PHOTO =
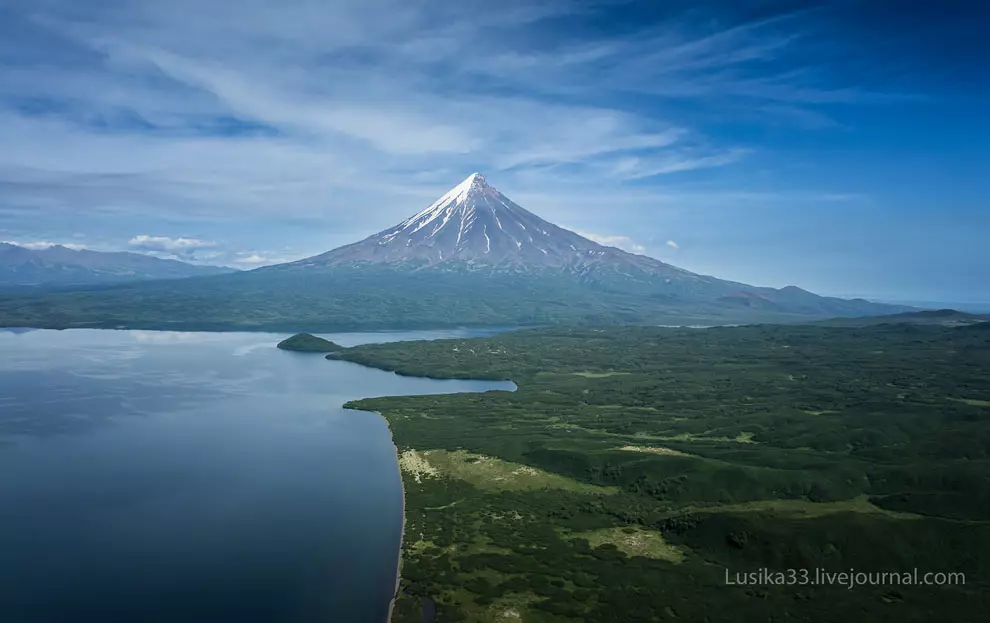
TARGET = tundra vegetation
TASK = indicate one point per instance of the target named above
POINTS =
(635, 467)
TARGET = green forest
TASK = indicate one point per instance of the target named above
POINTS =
(636, 468)
(304, 342)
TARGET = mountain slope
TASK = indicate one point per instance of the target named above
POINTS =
(473, 257)
(59, 266)
(474, 223)
(476, 228)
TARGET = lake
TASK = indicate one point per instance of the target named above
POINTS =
(186, 477)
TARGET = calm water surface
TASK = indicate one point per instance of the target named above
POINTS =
(187, 477)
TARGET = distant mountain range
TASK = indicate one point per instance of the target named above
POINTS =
(473, 257)
(59, 266)
(933, 317)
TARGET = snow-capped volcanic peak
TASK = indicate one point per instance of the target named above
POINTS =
(441, 211)
(476, 224)
(473, 184)
(475, 231)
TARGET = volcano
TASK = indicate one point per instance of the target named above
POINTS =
(475, 227)
(473, 222)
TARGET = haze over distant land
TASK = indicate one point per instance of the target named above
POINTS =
(976, 307)
(835, 146)
(58, 266)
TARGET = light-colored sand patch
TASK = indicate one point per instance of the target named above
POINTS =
(514, 515)
(440, 508)
(744, 437)
(634, 542)
(416, 464)
(491, 473)
(653, 450)
(510, 608)
(419, 546)
(509, 615)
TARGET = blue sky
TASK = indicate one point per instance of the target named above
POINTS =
(839, 146)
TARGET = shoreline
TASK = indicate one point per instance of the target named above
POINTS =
(228, 327)
(402, 532)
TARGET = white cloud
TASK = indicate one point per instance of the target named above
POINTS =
(622, 242)
(252, 259)
(673, 245)
(164, 243)
(636, 168)
(299, 111)
(261, 258)
(192, 250)
(44, 244)
(256, 259)
(329, 130)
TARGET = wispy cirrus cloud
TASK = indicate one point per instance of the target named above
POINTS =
(637, 168)
(281, 116)
(327, 121)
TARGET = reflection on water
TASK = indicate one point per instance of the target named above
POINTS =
(157, 476)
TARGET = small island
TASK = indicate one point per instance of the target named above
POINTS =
(309, 343)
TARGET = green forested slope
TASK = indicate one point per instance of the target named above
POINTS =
(635, 467)
(370, 298)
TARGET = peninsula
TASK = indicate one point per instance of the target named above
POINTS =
(634, 466)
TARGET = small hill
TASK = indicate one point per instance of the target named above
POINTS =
(309, 343)
(933, 317)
